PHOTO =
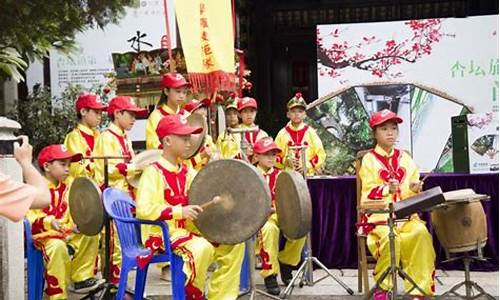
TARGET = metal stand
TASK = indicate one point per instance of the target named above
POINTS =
(393, 270)
(105, 288)
(470, 285)
(305, 272)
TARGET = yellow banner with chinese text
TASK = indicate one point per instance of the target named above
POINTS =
(207, 37)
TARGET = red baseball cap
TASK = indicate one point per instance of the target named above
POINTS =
(246, 102)
(265, 145)
(175, 125)
(125, 103)
(56, 152)
(174, 80)
(383, 116)
(195, 104)
(89, 101)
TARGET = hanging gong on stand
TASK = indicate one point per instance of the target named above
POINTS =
(85, 206)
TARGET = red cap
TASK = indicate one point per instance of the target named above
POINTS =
(383, 116)
(195, 104)
(89, 101)
(265, 145)
(56, 152)
(175, 125)
(125, 103)
(246, 102)
(174, 80)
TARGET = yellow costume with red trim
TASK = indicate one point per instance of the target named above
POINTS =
(161, 194)
(81, 140)
(152, 141)
(414, 249)
(114, 142)
(228, 145)
(53, 243)
(267, 245)
(302, 135)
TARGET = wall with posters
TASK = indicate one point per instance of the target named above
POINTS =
(93, 59)
(425, 70)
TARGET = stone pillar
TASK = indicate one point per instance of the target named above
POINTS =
(11, 234)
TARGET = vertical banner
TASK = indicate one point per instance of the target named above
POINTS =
(207, 37)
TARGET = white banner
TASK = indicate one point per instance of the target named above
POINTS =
(93, 60)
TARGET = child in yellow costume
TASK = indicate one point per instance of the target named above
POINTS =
(390, 174)
(247, 108)
(82, 138)
(228, 143)
(298, 133)
(208, 150)
(174, 90)
(266, 153)
(162, 195)
(53, 231)
(114, 142)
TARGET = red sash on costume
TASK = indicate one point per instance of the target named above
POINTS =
(126, 152)
(90, 139)
(272, 177)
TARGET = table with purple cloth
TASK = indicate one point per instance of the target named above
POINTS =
(334, 217)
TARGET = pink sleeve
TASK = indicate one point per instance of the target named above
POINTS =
(15, 198)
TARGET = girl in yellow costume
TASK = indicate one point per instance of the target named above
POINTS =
(390, 174)
(114, 142)
(53, 231)
(298, 133)
(82, 138)
(174, 90)
(266, 153)
(228, 143)
(162, 195)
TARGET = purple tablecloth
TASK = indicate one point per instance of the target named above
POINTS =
(334, 216)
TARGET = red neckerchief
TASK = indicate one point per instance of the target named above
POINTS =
(273, 176)
(90, 140)
(391, 170)
(297, 137)
(57, 206)
(126, 152)
(176, 192)
(251, 137)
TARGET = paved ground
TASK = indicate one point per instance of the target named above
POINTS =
(328, 288)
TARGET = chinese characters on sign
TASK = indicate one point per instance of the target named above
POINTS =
(206, 50)
(471, 68)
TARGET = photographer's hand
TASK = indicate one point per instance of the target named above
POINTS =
(24, 155)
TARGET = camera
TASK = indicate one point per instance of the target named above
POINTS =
(7, 146)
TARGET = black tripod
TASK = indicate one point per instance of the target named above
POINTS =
(394, 269)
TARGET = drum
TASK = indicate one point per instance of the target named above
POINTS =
(245, 201)
(85, 206)
(460, 223)
(293, 205)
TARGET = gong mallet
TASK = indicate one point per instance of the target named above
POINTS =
(305, 271)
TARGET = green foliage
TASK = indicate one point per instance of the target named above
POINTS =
(33, 27)
(46, 120)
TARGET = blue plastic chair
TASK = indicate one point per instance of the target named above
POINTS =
(245, 274)
(119, 206)
(35, 265)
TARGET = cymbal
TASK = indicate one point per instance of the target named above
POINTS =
(197, 140)
(143, 159)
(85, 206)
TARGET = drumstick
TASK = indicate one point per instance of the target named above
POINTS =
(225, 200)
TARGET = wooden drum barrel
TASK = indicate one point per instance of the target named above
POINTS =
(460, 225)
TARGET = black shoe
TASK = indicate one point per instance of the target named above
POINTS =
(286, 273)
(83, 287)
(272, 286)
